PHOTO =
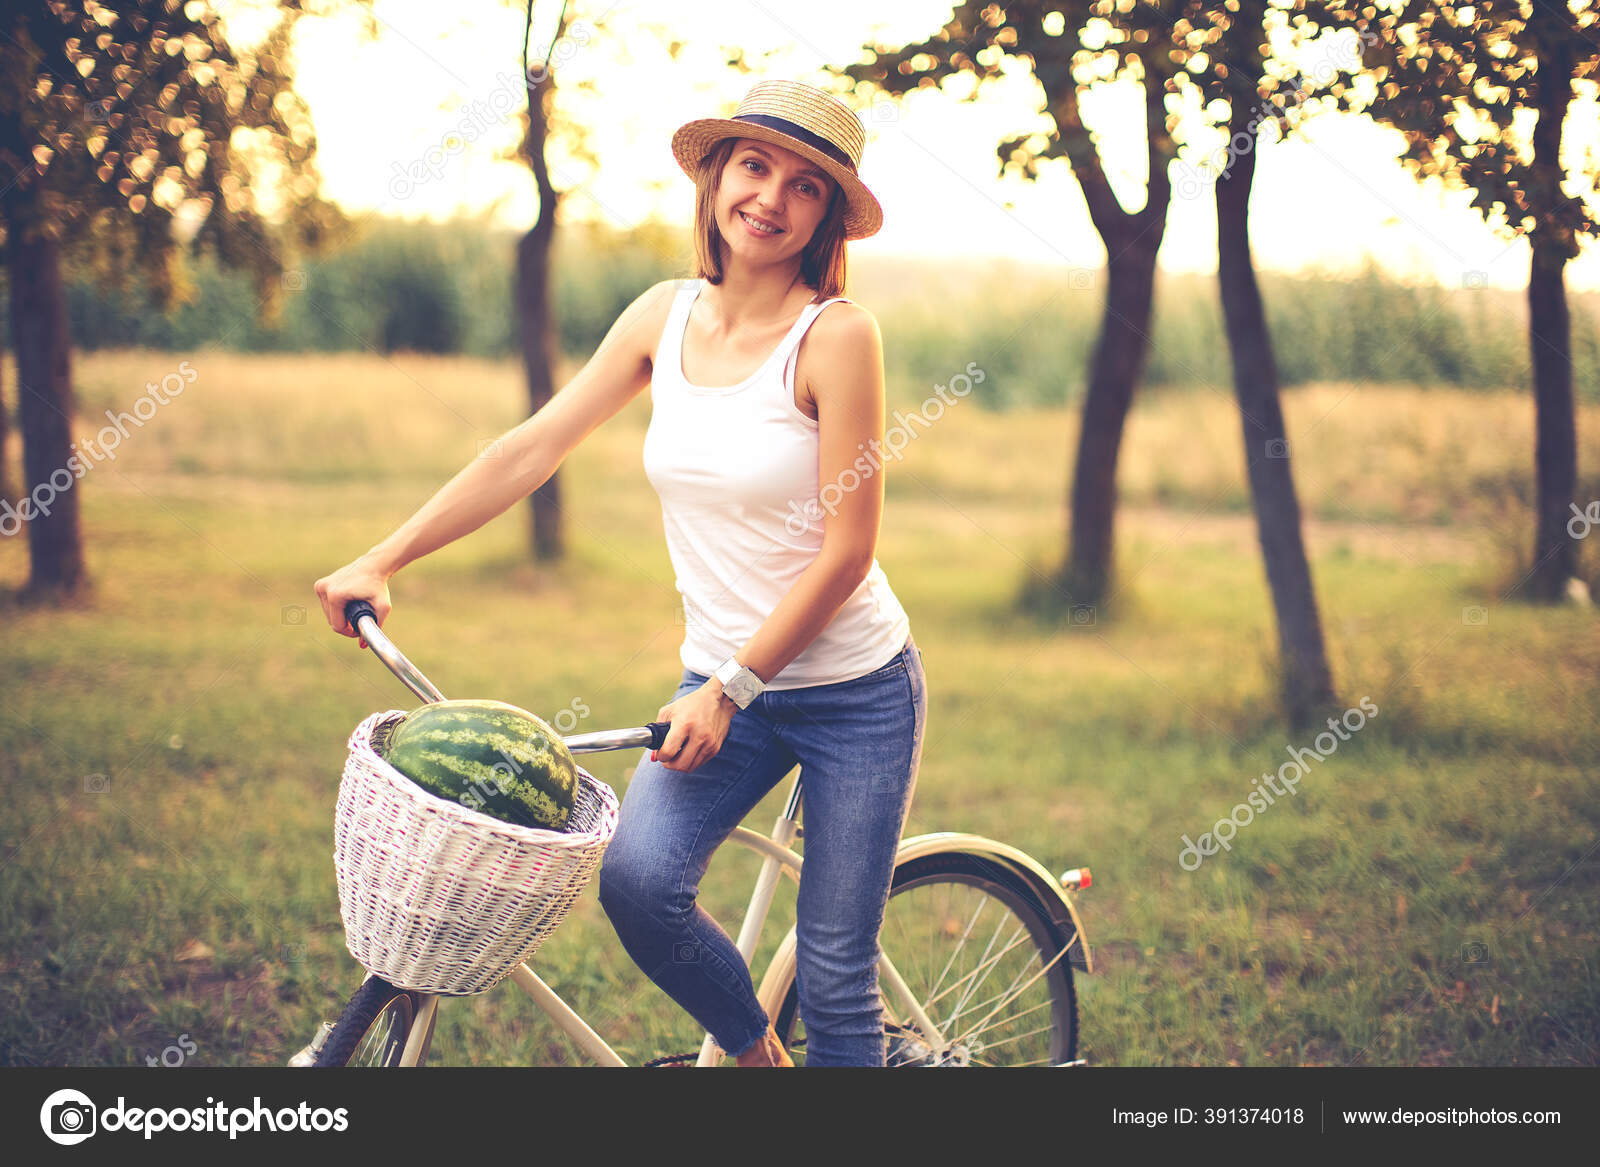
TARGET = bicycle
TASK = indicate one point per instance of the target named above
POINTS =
(944, 884)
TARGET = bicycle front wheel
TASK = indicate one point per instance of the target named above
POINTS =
(984, 961)
(374, 1027)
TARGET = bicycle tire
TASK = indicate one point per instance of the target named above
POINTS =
(374, 1027)
(1047, 938)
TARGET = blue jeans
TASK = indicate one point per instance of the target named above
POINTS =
(858, 744)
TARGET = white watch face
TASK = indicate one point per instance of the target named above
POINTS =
(742, 688)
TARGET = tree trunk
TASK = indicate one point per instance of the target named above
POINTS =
(1556, 440)
(1550, 334)
(1306, 682)
(1115, 367)
(1132, 241)
(5, 434)
(533, 317)
(44, 402)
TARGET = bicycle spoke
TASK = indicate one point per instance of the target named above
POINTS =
(973, 951)
(984, 961)
(1002, 995)
(969, 1035)
(989, 1045)
(967, 984)
(376, 1038)
(1047, 967)
(983, 903)
(981, 969)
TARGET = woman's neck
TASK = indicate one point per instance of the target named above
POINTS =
(749, 297)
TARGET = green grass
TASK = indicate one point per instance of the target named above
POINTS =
(195, 896)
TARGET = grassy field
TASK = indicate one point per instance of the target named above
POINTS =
(170, 750)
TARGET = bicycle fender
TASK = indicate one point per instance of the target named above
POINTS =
(1024, 866)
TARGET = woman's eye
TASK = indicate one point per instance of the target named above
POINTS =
(809, 187)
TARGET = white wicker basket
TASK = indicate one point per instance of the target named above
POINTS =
(439, 897)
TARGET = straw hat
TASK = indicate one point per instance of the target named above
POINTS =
(801, 118)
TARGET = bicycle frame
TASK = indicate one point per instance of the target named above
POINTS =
(778, 859)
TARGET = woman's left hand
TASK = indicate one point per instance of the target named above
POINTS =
(700, 723)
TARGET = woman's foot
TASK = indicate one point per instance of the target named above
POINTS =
(767, 1051)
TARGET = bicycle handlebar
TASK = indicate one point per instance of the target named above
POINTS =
(364, 619)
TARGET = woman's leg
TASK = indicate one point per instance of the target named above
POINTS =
(671, 822)
(859, 744)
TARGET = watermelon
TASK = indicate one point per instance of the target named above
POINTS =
(489, 756)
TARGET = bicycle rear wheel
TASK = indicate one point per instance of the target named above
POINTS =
(374, 1027)
(985, 960)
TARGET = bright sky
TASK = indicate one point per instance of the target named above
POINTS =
(417, 123)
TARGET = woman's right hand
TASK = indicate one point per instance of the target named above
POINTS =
(357, 580)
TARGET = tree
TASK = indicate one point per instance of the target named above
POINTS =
(1166, 46)
(1069, 46)
(1453, 78)
(118, 122)
(532, 291)
(1240, 73)
(536, 329)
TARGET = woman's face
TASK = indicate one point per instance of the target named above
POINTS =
(763, 184)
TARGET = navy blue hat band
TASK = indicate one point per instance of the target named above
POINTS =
(799, 132)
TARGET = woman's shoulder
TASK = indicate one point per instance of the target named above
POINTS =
(647, 315)
(845, 327)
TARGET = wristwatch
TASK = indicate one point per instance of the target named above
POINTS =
(739, 684)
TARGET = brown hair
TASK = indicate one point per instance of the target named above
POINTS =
(822, 264)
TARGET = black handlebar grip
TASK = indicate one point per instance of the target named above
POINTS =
(658, 733)
(356, 609)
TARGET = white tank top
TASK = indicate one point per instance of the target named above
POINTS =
(735, 467)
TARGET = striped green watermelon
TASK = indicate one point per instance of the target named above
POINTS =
(489, 756)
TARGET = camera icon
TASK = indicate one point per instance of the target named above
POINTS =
(96, 784)
(1475, 952)
(1081, 278)
(884, 110)
(99, 111)
(1190, 184)
(1277, 448)
(1475, 279)
(294, 280)
(1475, 615)
(292, 615)
(490, 447)
(67, 1117)
(1083, 614)
(686, 952)
(291, 953)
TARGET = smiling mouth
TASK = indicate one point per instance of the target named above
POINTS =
(760, 227)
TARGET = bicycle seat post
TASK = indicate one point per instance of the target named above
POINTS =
(791, 809)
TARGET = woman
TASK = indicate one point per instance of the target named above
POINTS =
(767, 415)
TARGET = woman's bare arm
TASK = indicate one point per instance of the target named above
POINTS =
(847, 371)
(520, 462)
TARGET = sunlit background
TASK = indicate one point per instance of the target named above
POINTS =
(405, 95)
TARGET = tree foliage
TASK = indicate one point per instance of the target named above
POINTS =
(127, 128)
(1453, 78)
